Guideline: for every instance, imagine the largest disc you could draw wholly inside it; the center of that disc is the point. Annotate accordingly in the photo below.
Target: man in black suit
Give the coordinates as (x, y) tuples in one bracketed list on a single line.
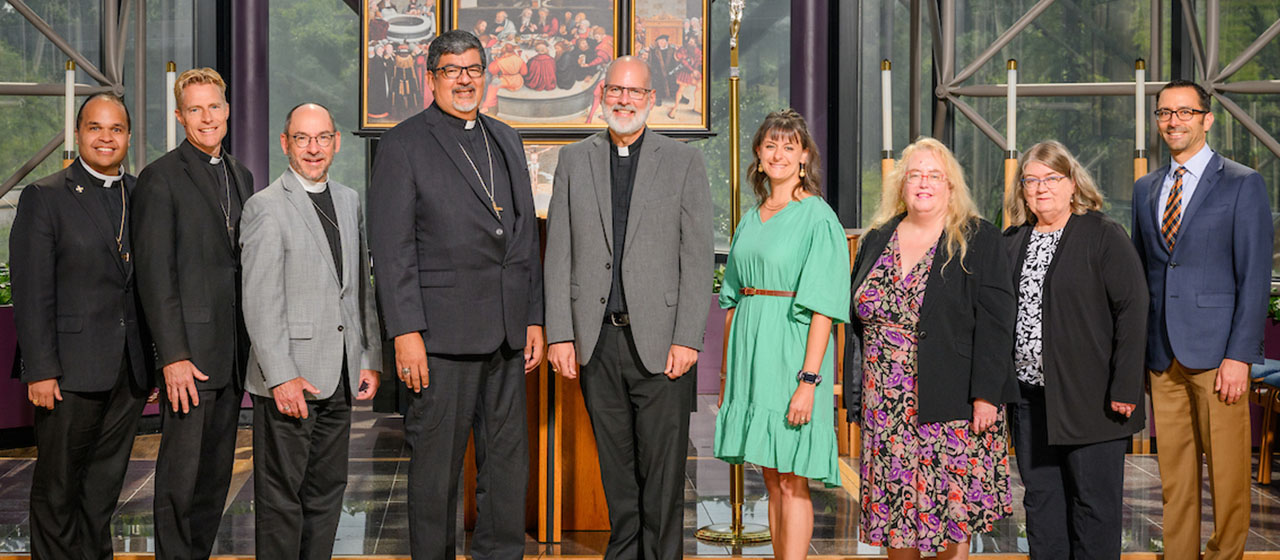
[(85, 355), (185, 220), (455, 247)]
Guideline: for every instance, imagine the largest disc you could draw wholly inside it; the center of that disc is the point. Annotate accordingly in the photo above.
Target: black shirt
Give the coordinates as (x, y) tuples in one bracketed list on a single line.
[(472, 142), (323, 204), (622, 175), (220, 179), (113, 205)]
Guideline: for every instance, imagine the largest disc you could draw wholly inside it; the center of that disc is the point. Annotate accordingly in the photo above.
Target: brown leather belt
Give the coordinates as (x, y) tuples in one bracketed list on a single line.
[(759, 292)]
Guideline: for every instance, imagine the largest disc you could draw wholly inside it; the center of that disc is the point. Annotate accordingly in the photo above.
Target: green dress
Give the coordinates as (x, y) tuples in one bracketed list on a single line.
[(801, 249)]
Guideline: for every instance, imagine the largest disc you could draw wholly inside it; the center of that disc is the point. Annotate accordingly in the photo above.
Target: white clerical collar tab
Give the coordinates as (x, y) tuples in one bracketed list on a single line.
[(470, 125), (309, 185), (214, 160), (107, 180), (624, 151)]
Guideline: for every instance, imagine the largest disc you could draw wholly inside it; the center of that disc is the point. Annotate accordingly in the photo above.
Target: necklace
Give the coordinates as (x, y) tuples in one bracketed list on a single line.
[(226, 210), (120, 233), (322, 214), (488, 188)]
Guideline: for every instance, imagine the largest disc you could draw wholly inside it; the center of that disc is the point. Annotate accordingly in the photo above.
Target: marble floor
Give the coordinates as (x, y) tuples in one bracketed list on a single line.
[(374, 518)]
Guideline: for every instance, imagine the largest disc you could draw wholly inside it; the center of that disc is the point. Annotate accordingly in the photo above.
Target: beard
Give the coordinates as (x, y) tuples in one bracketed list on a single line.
[(463, 107), (627, 126), (297, 164)]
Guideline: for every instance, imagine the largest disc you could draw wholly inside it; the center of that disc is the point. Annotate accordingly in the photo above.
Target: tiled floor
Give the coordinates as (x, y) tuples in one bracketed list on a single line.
[(374, 518)]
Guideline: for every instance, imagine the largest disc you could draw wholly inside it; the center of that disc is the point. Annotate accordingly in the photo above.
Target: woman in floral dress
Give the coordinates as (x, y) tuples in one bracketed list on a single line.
[(933, 307)]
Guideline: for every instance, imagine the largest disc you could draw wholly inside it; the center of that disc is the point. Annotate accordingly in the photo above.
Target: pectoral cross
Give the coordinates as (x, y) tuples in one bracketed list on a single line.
[(497, 209)]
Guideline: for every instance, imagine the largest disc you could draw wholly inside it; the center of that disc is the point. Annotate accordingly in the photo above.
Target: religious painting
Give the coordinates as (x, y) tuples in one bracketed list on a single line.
[(546, 59), (393, 69), (542, 158), (671, 36)]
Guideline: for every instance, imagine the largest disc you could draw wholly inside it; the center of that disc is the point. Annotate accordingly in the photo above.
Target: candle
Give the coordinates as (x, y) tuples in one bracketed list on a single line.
[(886, 105), (69, 107), (171, 107), (1011, 105), (1140, 102)]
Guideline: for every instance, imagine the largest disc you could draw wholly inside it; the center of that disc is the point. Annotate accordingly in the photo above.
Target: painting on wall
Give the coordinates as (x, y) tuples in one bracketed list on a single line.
[(671, 36), (546, 61), (542, 158), (393, 69)]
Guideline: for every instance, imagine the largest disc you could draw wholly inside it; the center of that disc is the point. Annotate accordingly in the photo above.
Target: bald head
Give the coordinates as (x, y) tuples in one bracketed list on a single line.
[(629, 71)]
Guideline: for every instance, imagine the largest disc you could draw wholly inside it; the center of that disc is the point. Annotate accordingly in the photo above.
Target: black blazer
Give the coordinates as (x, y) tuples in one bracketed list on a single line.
[(1094, 321), (443, 263), (74, 302), (965, 333), (188, 267)]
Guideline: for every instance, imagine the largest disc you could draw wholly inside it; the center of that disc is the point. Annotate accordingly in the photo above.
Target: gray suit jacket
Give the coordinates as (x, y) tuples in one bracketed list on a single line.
[(667, 255), (300, 317)]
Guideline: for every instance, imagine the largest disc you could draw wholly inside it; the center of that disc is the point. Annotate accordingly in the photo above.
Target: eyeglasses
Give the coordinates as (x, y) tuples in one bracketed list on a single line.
[(1184, 114), (634, 92), (303, 140), (935, 177), (1050, 182), (453, 72)]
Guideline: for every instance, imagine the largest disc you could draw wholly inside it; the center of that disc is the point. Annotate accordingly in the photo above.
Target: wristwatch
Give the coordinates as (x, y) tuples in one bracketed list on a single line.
[(808, 377)]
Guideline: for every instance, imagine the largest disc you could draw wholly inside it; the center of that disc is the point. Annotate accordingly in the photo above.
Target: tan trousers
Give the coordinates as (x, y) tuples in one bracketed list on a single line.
[(1190, 421)]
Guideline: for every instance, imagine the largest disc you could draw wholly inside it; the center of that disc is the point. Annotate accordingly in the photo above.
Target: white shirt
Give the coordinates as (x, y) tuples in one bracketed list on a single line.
[(1190, 180)]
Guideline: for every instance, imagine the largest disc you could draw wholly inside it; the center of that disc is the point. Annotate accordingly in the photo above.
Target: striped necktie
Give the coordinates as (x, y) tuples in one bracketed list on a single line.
[(1172, 218)]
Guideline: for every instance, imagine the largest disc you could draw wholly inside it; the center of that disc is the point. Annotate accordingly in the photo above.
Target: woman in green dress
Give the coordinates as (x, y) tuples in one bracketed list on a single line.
[(785, 284)]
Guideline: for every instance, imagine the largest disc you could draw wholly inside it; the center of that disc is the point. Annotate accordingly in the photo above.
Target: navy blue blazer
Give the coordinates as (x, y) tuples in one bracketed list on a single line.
[(1209, 297)]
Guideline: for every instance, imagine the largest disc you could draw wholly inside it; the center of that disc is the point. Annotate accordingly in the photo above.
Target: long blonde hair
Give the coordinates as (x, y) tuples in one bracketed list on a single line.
[(962, 213), (1055, 156)]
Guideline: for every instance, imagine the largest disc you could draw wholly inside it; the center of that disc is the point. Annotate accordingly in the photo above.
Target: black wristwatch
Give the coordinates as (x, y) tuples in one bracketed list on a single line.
[(808, 377)]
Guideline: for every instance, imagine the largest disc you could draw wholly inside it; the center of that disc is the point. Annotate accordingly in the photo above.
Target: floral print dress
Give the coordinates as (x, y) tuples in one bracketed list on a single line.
[(923, 485)]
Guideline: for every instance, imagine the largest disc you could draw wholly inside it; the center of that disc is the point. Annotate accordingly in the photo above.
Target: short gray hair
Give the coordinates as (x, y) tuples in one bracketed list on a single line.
[(454, 41)]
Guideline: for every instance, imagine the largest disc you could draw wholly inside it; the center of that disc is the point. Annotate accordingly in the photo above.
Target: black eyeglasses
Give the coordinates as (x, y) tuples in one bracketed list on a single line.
[(1184, 114), (303, 140), (616, 91), (452, 72)]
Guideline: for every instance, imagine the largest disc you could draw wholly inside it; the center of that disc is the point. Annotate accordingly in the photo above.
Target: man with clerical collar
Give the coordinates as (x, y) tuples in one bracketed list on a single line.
[(86, 359), (455, 246), (311, 316), (186, 214), (629, 258)]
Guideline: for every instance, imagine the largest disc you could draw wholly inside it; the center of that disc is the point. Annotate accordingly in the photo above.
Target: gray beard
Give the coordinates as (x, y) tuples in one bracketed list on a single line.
[(637, 122)]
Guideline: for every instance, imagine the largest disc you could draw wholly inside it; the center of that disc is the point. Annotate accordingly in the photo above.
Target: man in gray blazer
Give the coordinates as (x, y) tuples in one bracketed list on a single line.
[(309, 309), (628, 282)]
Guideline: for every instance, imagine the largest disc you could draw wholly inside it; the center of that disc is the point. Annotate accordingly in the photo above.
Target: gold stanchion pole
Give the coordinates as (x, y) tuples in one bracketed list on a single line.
[(68, 116), (735, 532), (1011, 121)]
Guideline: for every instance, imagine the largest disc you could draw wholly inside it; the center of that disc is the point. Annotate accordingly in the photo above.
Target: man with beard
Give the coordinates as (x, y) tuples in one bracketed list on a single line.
[(503, 28), (662, 63), (629, 257), (455, 248), (548, 26), (526, 22), (310, 314), (86, 360), (186, 223)]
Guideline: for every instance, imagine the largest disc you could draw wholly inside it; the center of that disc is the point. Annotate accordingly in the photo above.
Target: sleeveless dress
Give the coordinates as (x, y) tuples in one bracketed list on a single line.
[(800, 249), (923, 485)]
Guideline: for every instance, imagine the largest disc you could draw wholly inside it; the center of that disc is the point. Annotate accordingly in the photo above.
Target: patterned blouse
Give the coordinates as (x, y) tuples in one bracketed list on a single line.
[(1029, 344)]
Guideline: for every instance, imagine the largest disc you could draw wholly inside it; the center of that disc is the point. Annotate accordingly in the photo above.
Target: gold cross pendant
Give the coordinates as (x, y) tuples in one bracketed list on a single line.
[(497, 209)]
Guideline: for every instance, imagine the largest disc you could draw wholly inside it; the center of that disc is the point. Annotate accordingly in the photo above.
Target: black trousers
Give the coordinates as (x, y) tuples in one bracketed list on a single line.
[(1074, 493), (193, 472), (641, 425), (484, 393), (84, 445), (299, 476)]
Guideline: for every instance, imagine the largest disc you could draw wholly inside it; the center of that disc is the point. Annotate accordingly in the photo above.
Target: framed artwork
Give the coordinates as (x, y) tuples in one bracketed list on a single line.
[(671, 36), (542, 158), (393, 69), (546, 60)]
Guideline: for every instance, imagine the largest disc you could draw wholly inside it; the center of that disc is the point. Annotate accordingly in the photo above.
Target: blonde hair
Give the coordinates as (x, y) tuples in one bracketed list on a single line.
[(961, 210), (1055, 156), (197, 76)]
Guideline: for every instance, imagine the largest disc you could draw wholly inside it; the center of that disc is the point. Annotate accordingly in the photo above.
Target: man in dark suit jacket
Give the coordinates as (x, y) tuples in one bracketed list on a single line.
[(1202, 225), (455, 248), (85, 356), (629, 258), (186, 213)]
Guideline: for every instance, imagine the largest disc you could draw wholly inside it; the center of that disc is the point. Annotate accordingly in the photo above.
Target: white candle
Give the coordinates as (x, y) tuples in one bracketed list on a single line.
[(1011, 105), (69, 107), (886, 106), (171, 107), (1139, 103)]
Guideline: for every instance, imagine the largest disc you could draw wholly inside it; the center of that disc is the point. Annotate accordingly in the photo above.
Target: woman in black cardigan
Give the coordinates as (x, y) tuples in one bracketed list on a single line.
[(1080, 338), (933, 311)]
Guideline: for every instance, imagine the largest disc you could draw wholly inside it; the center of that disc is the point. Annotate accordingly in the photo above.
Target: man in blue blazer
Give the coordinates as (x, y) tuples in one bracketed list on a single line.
[(1202, 225)]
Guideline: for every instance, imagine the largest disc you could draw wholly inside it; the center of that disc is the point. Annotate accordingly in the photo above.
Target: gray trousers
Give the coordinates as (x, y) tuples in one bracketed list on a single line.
[(641, 424), (484, 393)]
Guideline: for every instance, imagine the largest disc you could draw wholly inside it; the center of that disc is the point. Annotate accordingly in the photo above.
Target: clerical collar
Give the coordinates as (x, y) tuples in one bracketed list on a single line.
[(108, 181), (625, 151), (463, 124), (214, 160), (309, 185)]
